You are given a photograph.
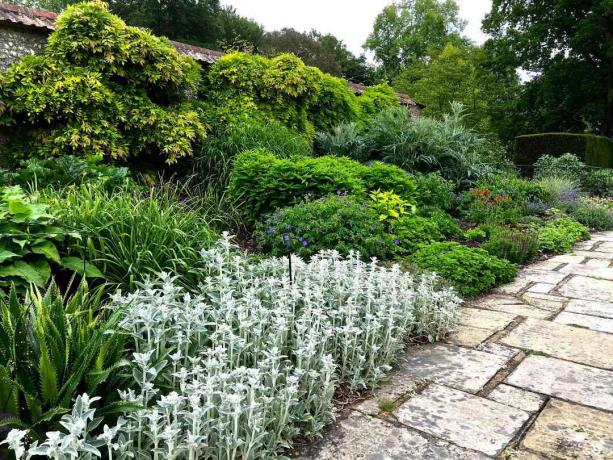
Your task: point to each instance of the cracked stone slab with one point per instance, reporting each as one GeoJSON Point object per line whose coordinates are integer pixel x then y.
{"type": "Point", "coordinates": [541, 276]}
{"type": "Point", "coordinates": [518, 398]}
{"type": "Point", "coordinates": [463, 419]}
{"type": "Point", "coordinates": [590, 271]}
{"type": "Point", "coordinates": [485, 319]}
{"type": "Point", "coordinates": [463, 368]}
{"type": "Point", "coordinates": [598, 263]}
{"type": "Point", "coordinates": [565, 430]}
{"type": "Point", "coordinates": [469, 336]}
{"type": "Point", "coordinates": [581, 287]}
{"type": "Point", "coordinates": [368, 438]}
{"type": "Point", "coordinates": [568, 258]}
{"type": "Point", "coordinates": [565, 380]}
{"type": "Point", "coordinates": [595, 254]}
{"type": "Point", "coordinates": [542, 288]}
{"type": "Point", "coordinates": [521, 309]}
{"type": "Point", "coordinates": [498, 349]}
{"type": "Point", "coordinates": [594, 323]}
{"type": "Point", "coordinates": [549, 302]}
{"type": "Point", "coordinates": [590, 307]}
{"type": "Point", "coordinates": [561, 341]}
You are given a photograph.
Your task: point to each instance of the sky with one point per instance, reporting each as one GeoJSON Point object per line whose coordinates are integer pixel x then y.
{"type": "Point", "coordinates": [349, 20]}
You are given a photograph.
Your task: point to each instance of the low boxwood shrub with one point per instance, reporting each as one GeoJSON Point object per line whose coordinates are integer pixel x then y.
{"type": "Point", "coordinates": [339, 222]}
{"type": "Point", "coordinates": [560, 234]}
{"type": "Point", "coordinates": [471, 270]}
{"type": "Point", "coordinates": [261, 182]}
{"type": "Point", "coordinates": [255, 352]}
{"type": "Point", "coordinates": [517, 246]}
{"type": "Point", "coordinates": [410, 233]}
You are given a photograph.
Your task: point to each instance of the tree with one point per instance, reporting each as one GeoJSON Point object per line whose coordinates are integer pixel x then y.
{"type": "Point", "coordinates": [462, 74]}
{"type": "Point", "coordinates": [569, 45]}
{"type": "Point", "coordinates": [410, 31]}
{"type": "Point", "coordinates": [325, 52]}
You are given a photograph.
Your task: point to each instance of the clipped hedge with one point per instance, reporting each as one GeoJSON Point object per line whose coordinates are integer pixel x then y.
{"type": "Point", "coordinates": [591, 149]}
{"type": "Point", "coordinates": [261, 182]}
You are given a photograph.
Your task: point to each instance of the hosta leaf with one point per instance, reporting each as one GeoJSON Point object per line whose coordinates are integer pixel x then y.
{"type": "Point", "coordinates": [79, 266]}
{"type": "Point", "coordinates": [47, 249]}
{"type": "Point", "coordinates": [6, 254]}
{"type": "Point", "coordinates": [33, 272]}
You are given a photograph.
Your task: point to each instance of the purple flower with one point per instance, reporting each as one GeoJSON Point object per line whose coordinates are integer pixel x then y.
{"type": "Point", "coordinates": [271, 230]}
{"type": "Point", "coordinates": [396, 242]}
{"type": "Point", "coordinates": [286, 238]}
{"type": "Point", "coordinates": [303, 241]}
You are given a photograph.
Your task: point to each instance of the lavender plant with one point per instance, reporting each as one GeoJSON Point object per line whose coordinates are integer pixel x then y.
{"type": "Point", "coordinates": [240, 368]}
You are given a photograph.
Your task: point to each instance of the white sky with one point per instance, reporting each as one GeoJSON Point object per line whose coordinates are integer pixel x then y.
{"type": "Point", "coordinates": [349, 20]}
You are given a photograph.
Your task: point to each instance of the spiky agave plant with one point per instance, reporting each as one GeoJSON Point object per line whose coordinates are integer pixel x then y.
{"type": "Point", "coordinates": [52, 348]}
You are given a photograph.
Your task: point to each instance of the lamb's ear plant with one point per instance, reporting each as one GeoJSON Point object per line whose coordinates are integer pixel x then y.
{"type": "Point", "coordinates": [239, 368]}
{"type": "Point", "coordinates": [52, 348]}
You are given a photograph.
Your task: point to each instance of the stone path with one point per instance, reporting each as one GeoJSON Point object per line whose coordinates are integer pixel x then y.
{"type": "Point", "coordinates": [527, 375]}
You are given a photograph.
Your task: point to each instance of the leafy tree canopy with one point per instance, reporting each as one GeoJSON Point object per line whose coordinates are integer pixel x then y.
{"type": "Point", "coordinates": [569, 44]}
{"type": "Point", "coordinates": [410, 31]}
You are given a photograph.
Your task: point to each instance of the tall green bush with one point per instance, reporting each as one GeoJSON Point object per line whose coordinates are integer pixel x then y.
{"type": "Point", "coordinates": [261, 182]}
{"type": "Point", "coordinates": [102, 88]}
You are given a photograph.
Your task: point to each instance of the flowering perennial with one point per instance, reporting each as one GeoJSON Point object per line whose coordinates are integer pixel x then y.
{"type": "Point", "coordinates": [254, 358]}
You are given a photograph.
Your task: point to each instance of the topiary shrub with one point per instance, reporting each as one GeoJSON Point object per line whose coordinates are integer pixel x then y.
{"type": "Point", "coordinates": [517, 246]}
{"type": "Point", "coordinates": [101, 89]}
{"type": "Point", "coordinates": [591, 149]}
{"type": "Point", "coordinates": [412, 232]}
{"type": "Point", "coordinates": [471, 270]}
{"type": "Point", "coordinates": [340, 222]}
{"type": "Point", "coordinates": [261, 182]}
{"type": "Point", "coordinates": [559, 235]}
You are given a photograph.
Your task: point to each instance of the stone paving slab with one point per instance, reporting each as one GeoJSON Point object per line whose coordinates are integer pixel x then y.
{"type": "Point", "coordinates": [485, 319]}
{"type": "Point", "coordinates": [590, 307]}
{"type": "Point", "coordinates": [561, 341]}
{"type": "Point", "coordinates": [594, 323]}
{"type": "Point", "coordinates": [468, 336]}
{"type": "Point", "coordinates": [569, 258]}
{"type": "Point", "coordinates": [521, 309]}
{"type": "Point", "coordinates": [586, 270]}
{"type": "Point", "coordinates": [553, 303]}
{"type": "Point", "coordinates": [595, 254]}
{"type": "Point", "coordinates": [369, 438]}
{"type": "Point", "coordinates": [463, 419]}
{"type": "Point", "coordinates": [581, 287]}
{"type": "Point", "coordinates": [516, 397]}
{"type": "Point", "coordinates": [607, 246]}
{"type": "Point", "coordinates": [565, 430]}
{"type": "Point", "coordinates": [457, 367]}
{"type": "Point", "coordinates": [598, 263]}
{"type": "Point", "coordinates": [565, 380]}
{"type": "Point", "coordinates": [542, 288]}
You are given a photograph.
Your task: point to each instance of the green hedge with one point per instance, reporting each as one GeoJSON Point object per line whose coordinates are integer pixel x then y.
{"type": "Point", "coordinates": [591, 149]}
{"type": "Point", "coordinates": [262, 183]}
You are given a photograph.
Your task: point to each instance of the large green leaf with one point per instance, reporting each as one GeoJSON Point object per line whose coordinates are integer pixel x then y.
{"type": "Point", "coordinates": [6, 255]}
{"type": "Point", "coordinates": [33, 272]}
{"type": "Point", "coordinates": [48, 249]}
{"type": "Point", "coordinates": [80, 266]}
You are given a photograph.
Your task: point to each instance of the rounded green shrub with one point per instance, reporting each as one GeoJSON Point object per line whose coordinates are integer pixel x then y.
{"type": "Point", "coordinates": [434, 191]}
{"type": "Point", "coordinates": [410, 233]}
{"type": "Point", "coordinates": [597, 217]}
{"type": "Point", "coordinates": [340, 222]}
{"type": "Point", "coordinates": [471, 270]}
{"type": "Point", "coordinates": [559, 235]}
{"type": "Point", "coordinates": [261, 182]}
{"type": "Point", "coordinates": [446, 224]}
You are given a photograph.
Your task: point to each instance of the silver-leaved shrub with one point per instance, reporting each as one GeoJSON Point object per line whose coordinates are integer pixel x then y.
{"type": "Point", "coordinates": [254, 358]}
